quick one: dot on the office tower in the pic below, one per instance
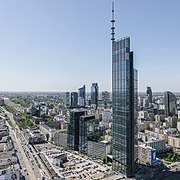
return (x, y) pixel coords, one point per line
(67, 99)
(73, 129)
(82, 96)
(94, 95)
(105, 97)
(106, 116)
(83, 134)
(145, 102)
(74, 99)
(124, 103)
(149, 94)
(77, 130)
(170, 103)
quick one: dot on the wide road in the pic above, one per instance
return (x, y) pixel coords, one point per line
(20, 149)
(18, 152)
(26, 161)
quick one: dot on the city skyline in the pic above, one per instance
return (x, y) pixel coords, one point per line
(62, 45)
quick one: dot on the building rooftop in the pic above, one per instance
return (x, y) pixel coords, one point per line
(60, 156)
(104, 142)
(145, 146)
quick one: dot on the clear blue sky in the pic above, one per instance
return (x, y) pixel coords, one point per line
(59, 45)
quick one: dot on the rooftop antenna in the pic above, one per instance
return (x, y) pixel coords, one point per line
(113, 21)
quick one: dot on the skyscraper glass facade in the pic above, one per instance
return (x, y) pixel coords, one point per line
(94, 95)
(82, 91)
(124, 99)
(74, 99)
(83, 132)
(68, 99)
(73, 129)
(170, 103)
(77, 133)
(82, 96)
(149, 94)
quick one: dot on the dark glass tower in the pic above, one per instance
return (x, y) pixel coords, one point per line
(124, 99)
(73, 129)
(149, 94)
(170, 103)
(94, 95)
(67, 99)
(74, 99)
(83, 134)
(77, 130)
(105, 97)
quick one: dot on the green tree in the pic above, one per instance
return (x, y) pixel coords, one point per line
(49, 120)
(102, 138)
(30, 123)
(104, 159)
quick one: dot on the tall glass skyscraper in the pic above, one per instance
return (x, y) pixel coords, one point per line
(82, 96)
(149, 94)
(124, 99)
(170, 103)
(77, 134)
(83, 132)
(74, 100)
(73, 129)
(94, 95)
(67, 99)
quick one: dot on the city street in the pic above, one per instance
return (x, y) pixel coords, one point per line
(27, 169)
(27, 156)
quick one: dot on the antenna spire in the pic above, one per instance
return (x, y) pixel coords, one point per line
(113, 27)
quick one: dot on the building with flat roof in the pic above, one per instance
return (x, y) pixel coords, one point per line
(34, 136)
(99, 149)
(9, 173)
(146, 155)
(157, 144)
(73, 129)
(83, 132)
(60, 159)
(60, 138)
(45, 129)
(174, 142)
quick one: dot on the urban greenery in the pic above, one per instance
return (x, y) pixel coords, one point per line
(110, 133)
(26, 118)
(49, 120)
(1, 110)
(22, 102)
(102, 137)
(10, 109)
(23, 120)
(104, 159)
(8, 120)
(172, 157)
(6, 117)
